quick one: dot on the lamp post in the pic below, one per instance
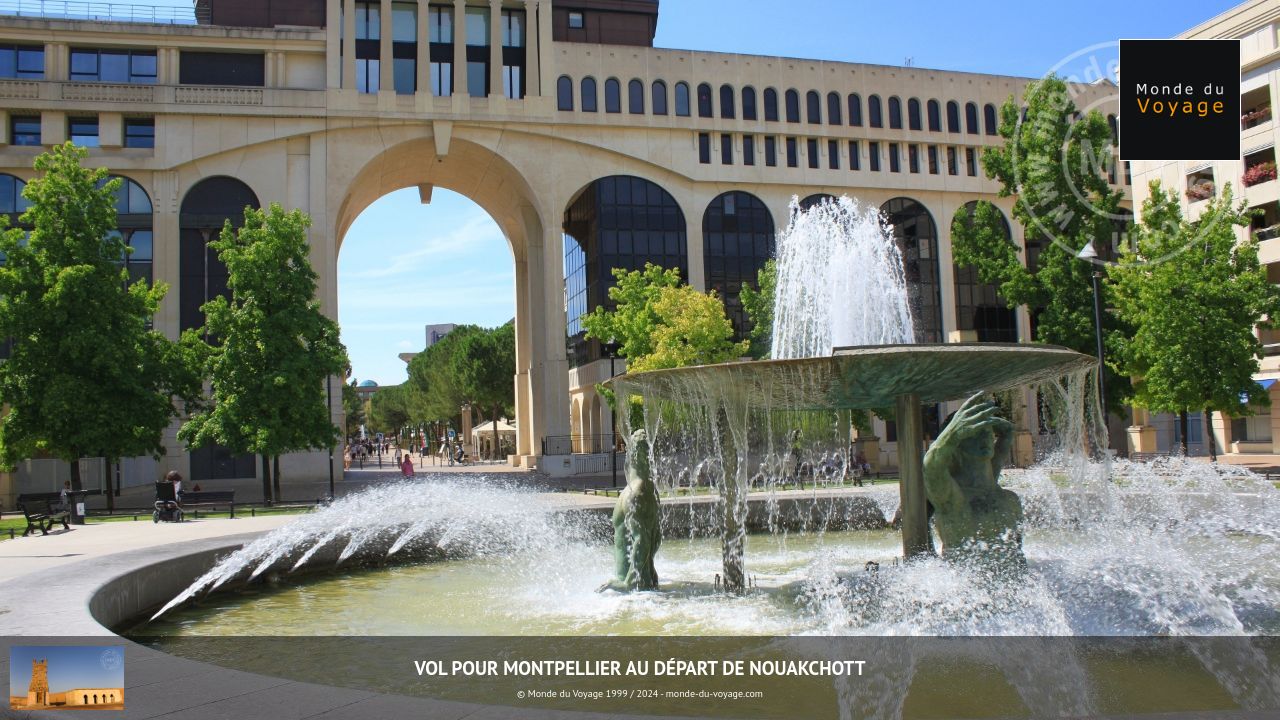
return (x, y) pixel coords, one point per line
(328, 397)
(611, 348)
(1088, 254)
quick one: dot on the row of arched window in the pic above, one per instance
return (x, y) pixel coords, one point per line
(836, 110)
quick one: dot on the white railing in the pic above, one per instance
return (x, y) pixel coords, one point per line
(108, 92)
(194, 95)
(105, 11)
(19, 89)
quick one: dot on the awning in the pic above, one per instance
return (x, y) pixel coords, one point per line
(1266, 384)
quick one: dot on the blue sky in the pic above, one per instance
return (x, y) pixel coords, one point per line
(70, 667)
(404, 265)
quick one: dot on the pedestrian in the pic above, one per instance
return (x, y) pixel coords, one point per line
(346, 458)
(406, 467)
(397, 455)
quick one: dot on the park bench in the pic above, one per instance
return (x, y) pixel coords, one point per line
(42, 512)
(1144, 457)
(210, 498)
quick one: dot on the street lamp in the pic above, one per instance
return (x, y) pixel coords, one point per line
(1089, 254)
(611, 348)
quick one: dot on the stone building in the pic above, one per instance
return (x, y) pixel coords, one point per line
(589, 147)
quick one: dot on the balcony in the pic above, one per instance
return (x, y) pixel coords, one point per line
(1254, 118)
(49, 94)
(105, 12)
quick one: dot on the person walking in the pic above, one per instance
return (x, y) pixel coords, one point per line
(346, 458)
(406, 466)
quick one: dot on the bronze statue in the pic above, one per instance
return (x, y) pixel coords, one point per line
(636, 517)
(973, 515)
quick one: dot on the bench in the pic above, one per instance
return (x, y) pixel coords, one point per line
(41, 513)
(210, 498)
(1143, 457)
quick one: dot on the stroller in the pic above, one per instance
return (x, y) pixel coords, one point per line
(166, 505)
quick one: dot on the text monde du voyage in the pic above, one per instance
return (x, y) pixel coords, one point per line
(1180, 99)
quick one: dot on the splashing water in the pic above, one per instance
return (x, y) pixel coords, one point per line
(840, 282)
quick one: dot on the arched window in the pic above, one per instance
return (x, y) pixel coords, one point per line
(895, 113)
(935, 116)
(618, 221)
(704, 101)
(834, 116)
(749, 103)
(979, 306)
(992, 124)
(917, 238)
(12, 204)
(588, 94)
(659, 92)
(875, 117)
(635, 97)
(564, 93)
(953, 116)
(813, 107)
(133, 223)
(913, 115)
(726, 102)
(682, 99)
(612, 96)
(855, 110)
(1115, 129)
(737, 237)
(770, 105)
(971, 118)
(793, 106)
(816, 199)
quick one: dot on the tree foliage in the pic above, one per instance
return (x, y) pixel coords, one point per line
(352, 408)
(87, 374)
(1194, 295)
(1055, 164)
(389, 409)
(269, 346)
(758, 305)
(469, 365)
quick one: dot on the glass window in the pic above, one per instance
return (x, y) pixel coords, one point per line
(935, 116)
(917, 239)
(993, 126)
(682, 99)
(404, 72)
(933, 159)
(11, 200)
(833, 154)
(873, 156)
(366, 75)
(953, 116)
(635, 97)
(24, 130)
(440, 25)
(971, 118)
(793, 153)
(24, 62)
(895, 113)
(576, 21)
(971, 161)
(612, 96)
(749, 103)
(873, 111)
(113, 67)
(834, 116)
(748, 150)
(704, 101)
(855, 162)
(726, 149)
(477, 78)
(913, 158)
(404, 22)
(953, 167)
(83, 131)
(793, 106)
(770, 105)
(895, 163)
(813, 107)
(478, 27)
(368, 21)
(771, 151)
(704, 148)
(738, 239)
(441, 79)
(513, 28)
(855, 110)
(726, 102)
(659, 97)
(118, 66)
(811, 149)
(913, 114)
(588, 94)
(140, 132)
(564, 93)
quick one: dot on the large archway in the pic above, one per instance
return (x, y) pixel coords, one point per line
(917, 238)
(979, 307)
(738, 239)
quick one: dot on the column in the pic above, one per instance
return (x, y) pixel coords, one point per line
(57, 61)
(460, 48)
(915, 519)
(386, 63)
(495, 48)
(532, 75)
(424, 48)
(694, 245)
(545, 65)
(349, 44)
(333, 43)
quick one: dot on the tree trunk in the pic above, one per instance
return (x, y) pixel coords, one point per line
(1208, 431)
(75, 474)
(1183, 427)
(496, 453)
(266, 480)
(111, 495)
(275, 476)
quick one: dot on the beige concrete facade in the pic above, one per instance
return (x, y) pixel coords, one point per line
(1257, 25)
(308, 139)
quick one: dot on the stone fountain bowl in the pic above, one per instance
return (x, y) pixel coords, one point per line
(870, 376)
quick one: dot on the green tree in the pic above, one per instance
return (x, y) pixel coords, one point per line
(270, 347)
(1056, 166)
(352, 408)
(389, 409)
(1194, 295)
(432, 374)
(483, 367)
(758, 305)
(87, 374)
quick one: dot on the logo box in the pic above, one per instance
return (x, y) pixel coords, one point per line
(1180, 99)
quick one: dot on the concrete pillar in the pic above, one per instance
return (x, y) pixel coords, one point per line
(349, 44)
(524, 350)
(946, 271)
(532, 74)
(333, 43)
(386, 62)
(57, 61)
(546, 67)
(424, 49)
(694, 242)
(460, 48)
(915, 519)
(549, 376)
(495, 48)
